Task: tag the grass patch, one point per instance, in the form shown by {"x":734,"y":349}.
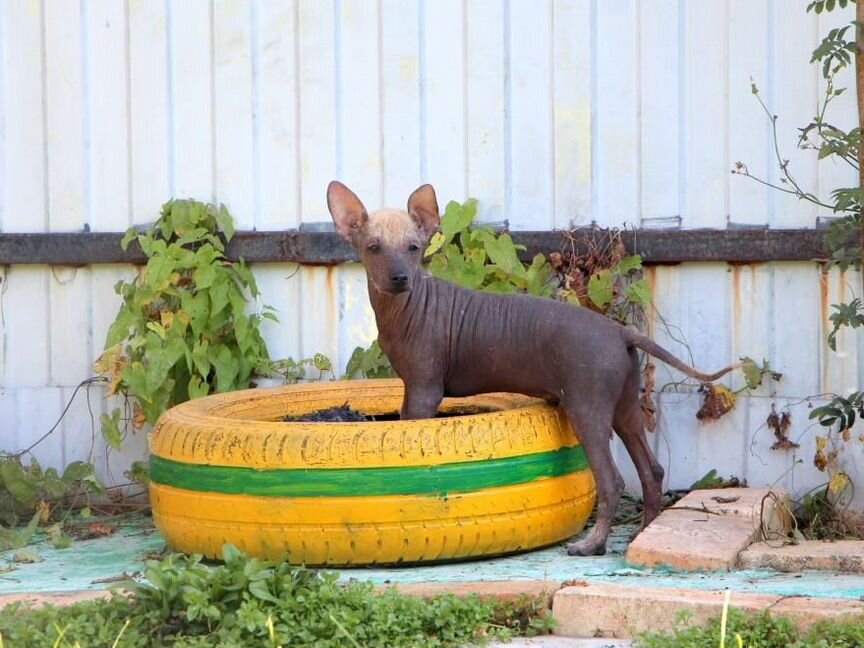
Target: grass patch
{"x":249,"y":602}
{"x":760,"y":630}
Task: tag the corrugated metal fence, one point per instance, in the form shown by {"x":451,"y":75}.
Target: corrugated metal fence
{"x":551,"y":113}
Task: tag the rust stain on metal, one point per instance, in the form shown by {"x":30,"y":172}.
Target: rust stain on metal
{"x":824,"y":313}
{"x":332,"y":295}
{"x":650,"y":275}
{"x":736,"y":303}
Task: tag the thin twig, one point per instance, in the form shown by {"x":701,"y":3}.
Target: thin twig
{"x":87,"y":381}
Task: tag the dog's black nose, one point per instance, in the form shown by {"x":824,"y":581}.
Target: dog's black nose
{"x":399,"y":278}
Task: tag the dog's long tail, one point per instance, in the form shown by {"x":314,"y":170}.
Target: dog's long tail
{"x":649,"y":346}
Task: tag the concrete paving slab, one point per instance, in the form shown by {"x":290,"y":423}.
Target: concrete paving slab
{"x":841,"y":556}
{"x":707,"y":529}
{"x":688,"y":540}
{"x":499,"y":590}
{"x":56,"y":599}
{"x":769,"y":504}
{"x":600,"y":610}
{"x":593,"y":610}
{"x":806,"y":611}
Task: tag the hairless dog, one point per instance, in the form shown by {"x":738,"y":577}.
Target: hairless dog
{"x":444,"y":340}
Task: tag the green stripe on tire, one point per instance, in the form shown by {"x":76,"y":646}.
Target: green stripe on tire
{"x":462,"y":477}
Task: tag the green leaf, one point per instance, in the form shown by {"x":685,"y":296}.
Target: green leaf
{"x":627,"y":264}
{"x":53,"y":486}
{"x":226,"y":222}
{"x":537,"y":276}
{"x":111,"y":429}
{"x":139,"y":473}
{"x":369,"y":363}
{"x":752,"y":373}
{"x":17,"y":538}
{"x":119,"y":329}
{"x":600,"y":288}
{"x":435,"y":243}
{"x":260,"y":590}
{"x":457,"y":218}
{"x":639,"y":293}
{"x":505,"y":287}
{"x":247,"y":278}
{"x":197,"y":388}
{"x":231,"y":555}
{"x":322,"y":362}
{"x":157,"y":328}
{"x":219,"y":295}
{"x":179,"y":219}
{"x":161,"y":359}
{"x":59,"y":540}
{"x":227,"y":368}
{"x":204,"y":276}
{"x":77,"y":471}
{"x":26,"y":557}
{"x":201,"y":357}
{"x":128,"y":237}
{"x":197,"y":305}
{"x":354,"y":362}
{"x":17,"y":483}
{"x":158,"y":271}
{"x":502,"y":253}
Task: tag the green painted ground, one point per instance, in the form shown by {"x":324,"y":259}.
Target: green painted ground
{"x":94,"y":564}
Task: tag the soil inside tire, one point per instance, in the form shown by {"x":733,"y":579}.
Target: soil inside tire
{"x":346,"y":414}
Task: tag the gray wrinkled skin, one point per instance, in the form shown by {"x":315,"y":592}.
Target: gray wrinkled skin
{"x":444,"y":340}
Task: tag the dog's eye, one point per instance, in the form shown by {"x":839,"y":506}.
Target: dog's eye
{"x":373,"y":247}
{"x":413,"y":247}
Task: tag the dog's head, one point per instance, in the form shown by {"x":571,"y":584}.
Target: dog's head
{"x":390,"y":242}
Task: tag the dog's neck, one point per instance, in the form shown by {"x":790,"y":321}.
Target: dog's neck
{"x":390,"y":307}
{"x":394,"y":313}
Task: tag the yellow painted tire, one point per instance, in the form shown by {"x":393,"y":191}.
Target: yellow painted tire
{"x":226,"y":469}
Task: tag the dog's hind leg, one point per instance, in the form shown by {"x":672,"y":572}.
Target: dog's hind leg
{"x":592,"y":426}
{"x":629,"y":424}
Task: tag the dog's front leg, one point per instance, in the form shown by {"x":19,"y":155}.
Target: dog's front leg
{"x":421,"y":401}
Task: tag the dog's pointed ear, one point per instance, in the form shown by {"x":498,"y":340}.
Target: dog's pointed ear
{"x":348,"y":213}
{"x":423,"y":208}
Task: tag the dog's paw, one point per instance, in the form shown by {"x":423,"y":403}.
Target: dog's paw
{"x":586,"y":549}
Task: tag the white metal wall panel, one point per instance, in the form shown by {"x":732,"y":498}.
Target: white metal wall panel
{"x":401,"y":99}
{"x":319,"y":98}
{"x":107,"y":119}
{"x":551,"y":113}
{"x":616,"y":178}
{"x":531,"y":96}
{"x":24,"y":196}
{"x":572,"y":62}
{"x":276,"y":114}
{"x":660,"y":127}
{"x":750,"y":30}
{"x":442,"y":95}
{"x":151,"y":135}
{"x":485,"y":114}
{"x":233,"y":109}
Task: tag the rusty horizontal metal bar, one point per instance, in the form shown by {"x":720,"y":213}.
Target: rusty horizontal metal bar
{"x":326,"y":248}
